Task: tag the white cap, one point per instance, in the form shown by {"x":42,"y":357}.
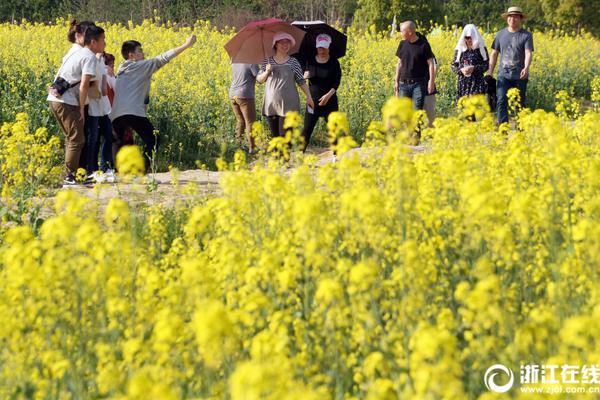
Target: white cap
{"x":323,"y":40}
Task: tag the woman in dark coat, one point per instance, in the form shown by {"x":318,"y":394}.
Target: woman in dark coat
{"x":470,"y":62}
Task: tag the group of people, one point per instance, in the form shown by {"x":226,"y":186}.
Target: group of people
{"x":416,"y":71}
{"x":98,"y":110}
{"x":281,"y":73}
{"x":92,"y":104}
{"x":416,"y":67}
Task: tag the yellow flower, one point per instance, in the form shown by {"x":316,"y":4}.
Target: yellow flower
{"x":130,"y":161}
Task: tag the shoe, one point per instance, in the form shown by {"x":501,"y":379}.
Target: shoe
{"x":89,"y":179}
{"x":69,"y":180}
{"x":110,"y":176}
{"x":99,"y":176}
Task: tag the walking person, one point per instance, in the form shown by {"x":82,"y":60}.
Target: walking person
{"x":415,"y":62}
{"x":324,"y":75}
{"x":282,"y":72}
{"x":132,"y":94}
{"x":241,"y":96}
{"x":68,"y":95}
{"x":515,"y":46}
{"x":470,"y":62}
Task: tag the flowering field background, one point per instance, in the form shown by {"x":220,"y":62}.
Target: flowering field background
{"x":389,"y":274}
{"x":196,"y":84}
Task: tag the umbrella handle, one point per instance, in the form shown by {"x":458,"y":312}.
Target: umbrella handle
{"x":262,"y":39}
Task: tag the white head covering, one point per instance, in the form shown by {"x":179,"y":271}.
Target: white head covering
{"x":476,"y":40}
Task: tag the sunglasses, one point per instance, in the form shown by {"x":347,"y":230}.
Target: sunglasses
{"x":467,"y":37}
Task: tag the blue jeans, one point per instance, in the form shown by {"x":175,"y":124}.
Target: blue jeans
{"x":98,"y":127}
{"x":416,"y":91}
{"x":502,"y":87}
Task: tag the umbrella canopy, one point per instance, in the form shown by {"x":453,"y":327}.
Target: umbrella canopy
{"x":254,"y":42}
{"x":313,"y":29}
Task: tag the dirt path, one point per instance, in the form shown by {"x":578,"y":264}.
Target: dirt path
{"x":164,"y":191}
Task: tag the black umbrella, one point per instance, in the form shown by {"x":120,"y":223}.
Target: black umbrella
{"x":308,"y":49}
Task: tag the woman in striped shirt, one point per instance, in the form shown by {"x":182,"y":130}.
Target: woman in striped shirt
{"x":281,"y":74}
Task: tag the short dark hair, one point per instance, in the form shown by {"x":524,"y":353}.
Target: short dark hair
{"x":108,"y":58}
{"x":78,"y":27}
{"x":93,"y":33}
{"x":129,"y":47}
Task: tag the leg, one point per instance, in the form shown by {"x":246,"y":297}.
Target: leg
{"x":522,"y":85}
{"x":239,"y":118}
{"x":406,"y":90}
{"x":83,"y":157}
{"x":310,"y":120}
{"x":106,"y":132}
{"x":68,"y":119}
{"x":145,"y":129}
{"x":429,"y":107}
{"x":281,"y":120}
{"x":91,"y":140}
{"x":120,"y":127}
{"x":248,"y":110}
{"x":418,"y":95}
{"x":273,"y":125}
{"x":502,"y":87}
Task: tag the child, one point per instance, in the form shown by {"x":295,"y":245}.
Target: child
{"x":77,"y":70}
{"x":98,"y":124}
{"x":132,"y":90}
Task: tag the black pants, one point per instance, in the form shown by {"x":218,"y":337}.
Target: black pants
{"x":276,"y":125}
{"x":310,"y":121}
{"x":143,"y":127}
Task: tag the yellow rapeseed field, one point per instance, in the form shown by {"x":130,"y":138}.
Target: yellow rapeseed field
{"x":386,"y":275}
{"x":196,"y":84}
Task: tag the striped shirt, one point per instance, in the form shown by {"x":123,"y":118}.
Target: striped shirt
{"x":292,"y":63}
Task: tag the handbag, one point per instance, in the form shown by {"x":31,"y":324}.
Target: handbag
{"x":60,"y":85}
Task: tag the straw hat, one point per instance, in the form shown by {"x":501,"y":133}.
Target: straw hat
{"x":514,"y":11}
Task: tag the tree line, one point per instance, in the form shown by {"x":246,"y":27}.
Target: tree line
{"x":363,"y":14}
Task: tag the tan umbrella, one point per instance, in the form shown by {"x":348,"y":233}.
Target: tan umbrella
{"x":254,"y":42}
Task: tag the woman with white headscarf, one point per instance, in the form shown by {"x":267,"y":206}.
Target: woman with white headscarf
{"x":470,"y":62}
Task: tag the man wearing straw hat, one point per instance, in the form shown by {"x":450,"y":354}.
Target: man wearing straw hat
{"x":515,"y":46}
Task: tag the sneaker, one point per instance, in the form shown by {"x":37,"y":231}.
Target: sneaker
{"x":69,"y":180}
{"x":110,"y":176}
{"x":89,"y":179}
{"x":99,"y":176}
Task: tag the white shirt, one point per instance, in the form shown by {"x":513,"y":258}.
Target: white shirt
{"x":76,"y":63}
{"x":100,"y":107}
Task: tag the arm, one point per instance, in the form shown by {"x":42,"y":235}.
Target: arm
{"x":84,"y":87}
{"x":431,"y":83}
{"x":153,"y":64}
{"x":456,"y":64}
{"x":397,"y":77}
{"x":189,"y":42}
{"x":528,"y":58}
{"x":104,"y":86}
{"x":493,"y":61}
{"x":335,"y":83}
{"x":309,"y":100}
{"x":262,"y":77}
